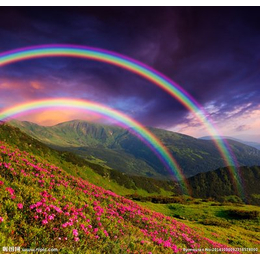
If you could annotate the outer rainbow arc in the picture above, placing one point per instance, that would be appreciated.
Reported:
(136, 128)
(138, 68)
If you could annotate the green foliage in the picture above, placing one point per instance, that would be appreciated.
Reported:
(243, 214)
(156, 199)
(215, 222)
(233, 199)
(219, 184)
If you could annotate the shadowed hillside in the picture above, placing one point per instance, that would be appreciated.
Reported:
(220, 185)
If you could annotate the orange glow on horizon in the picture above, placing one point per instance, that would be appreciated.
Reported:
(51, 117)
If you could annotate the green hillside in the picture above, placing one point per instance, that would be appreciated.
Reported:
(119, 149)
(95, 173)
(42, 206)
(48, 200)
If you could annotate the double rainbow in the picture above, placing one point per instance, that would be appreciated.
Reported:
(136, 67)
(125, 121)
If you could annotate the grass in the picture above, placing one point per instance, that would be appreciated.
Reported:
(214, 221)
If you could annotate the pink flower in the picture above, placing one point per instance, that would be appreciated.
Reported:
(19, 205)
(45, 221)
(10, 190)
(1, 219)
(36, 217)
(76, 239)
(1, 183)
(75, 232)
(51, 217)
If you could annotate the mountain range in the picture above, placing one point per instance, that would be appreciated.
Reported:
(117, 148)
(250, 143)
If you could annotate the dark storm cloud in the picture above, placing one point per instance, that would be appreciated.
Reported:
(213, 53)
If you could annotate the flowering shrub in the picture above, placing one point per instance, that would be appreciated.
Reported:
(43, 206)
(19, 205)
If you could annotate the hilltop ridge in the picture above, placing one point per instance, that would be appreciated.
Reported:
(119, 149)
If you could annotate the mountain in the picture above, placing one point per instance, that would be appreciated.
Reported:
(119, 149)
(250, 138)
(249, 143)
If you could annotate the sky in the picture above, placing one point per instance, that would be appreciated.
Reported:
(211, 52)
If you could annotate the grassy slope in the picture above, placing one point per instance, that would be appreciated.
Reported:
(213, 220)
(201, 216)
(42, 206)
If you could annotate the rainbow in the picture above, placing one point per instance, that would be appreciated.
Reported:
(136, 67)
(125, 121)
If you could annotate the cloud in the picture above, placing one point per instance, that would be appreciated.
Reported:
(213, 53)
(36, 85)
(242, 128)
(49, 117)
(231, 127)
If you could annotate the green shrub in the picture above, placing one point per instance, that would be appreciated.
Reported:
(243, 214)
(215, 222)
(233, 199)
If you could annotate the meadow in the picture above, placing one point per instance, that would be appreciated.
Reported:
(42, 206)
(237, 225)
